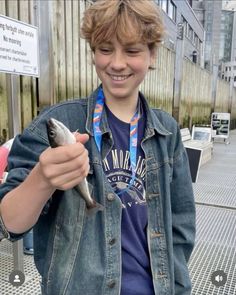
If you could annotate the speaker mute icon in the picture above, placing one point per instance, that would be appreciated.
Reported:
(219, 278)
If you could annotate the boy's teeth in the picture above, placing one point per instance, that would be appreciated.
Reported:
(119, 78)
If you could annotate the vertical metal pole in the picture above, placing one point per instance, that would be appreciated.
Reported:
(13, 105)
(18, 260)
(45, 85)
(231, 88)
(214, 85)
(14, 129)
(179, 55)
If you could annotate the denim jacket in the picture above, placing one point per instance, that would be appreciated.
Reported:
(80, 254)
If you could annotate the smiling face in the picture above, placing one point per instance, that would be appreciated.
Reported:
(123, 36)
(122, 67)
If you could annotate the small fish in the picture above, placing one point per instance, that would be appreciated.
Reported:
(58, 135)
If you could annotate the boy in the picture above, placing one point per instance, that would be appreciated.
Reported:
(135, 165)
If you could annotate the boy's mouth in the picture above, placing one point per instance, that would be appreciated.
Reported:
(119, 77)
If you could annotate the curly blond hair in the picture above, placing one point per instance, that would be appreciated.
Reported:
(130, 21)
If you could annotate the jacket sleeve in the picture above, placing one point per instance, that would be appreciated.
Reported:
(23, 156)
(183, 218)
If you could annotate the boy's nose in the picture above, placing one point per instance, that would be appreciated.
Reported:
(118, 61)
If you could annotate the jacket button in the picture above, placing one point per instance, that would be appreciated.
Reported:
(111, 284)
(110, 197)
(112, 241)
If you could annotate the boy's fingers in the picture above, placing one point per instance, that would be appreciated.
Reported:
(83, 138)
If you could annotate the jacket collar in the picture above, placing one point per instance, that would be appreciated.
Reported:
(153, 123)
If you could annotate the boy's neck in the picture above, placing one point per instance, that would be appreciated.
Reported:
(123, 109)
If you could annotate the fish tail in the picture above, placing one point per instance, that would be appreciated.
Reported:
(93, 208)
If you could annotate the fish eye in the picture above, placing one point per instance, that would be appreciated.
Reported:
(52, 133)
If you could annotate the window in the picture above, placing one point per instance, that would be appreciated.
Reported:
(208, 37)
(164, 5)
(208, 27)
(196, 40)
(184, 22)
(172, 10)
(209, 17)
(190, 32)
(168, 7)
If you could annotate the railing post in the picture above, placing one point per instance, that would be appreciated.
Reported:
(45, 82)
(179, 56)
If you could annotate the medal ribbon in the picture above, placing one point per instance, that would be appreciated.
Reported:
(133, 132)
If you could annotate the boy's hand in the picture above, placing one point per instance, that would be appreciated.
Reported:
(65, 166)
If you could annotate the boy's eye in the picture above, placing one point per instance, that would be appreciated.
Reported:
(105, 50)
(132, 51)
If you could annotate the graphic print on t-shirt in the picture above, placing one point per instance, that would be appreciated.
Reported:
(119, 174)
(117, 164)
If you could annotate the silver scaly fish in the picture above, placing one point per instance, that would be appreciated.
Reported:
(58, 135)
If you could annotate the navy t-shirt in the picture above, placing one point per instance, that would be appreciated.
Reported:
(136, 270)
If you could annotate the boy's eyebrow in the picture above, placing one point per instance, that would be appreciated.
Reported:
(105, 43)
(125, 44)
(132, 44)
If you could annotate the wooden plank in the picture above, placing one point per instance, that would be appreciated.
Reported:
(69, 34)
(60, 14)
(55, 21)
(89, 70)
(82, 51)
(162, 79)
(25, 82)
(3, 7)
(96, 80)
(34, 96)
(12, 8)
(12, 11)
(89, 64)
(164, 60)
(157, 70)
(76, 33)
(233, 105)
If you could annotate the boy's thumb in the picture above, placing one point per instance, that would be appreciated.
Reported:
(81, 137)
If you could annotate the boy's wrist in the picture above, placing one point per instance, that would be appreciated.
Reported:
(42, 183)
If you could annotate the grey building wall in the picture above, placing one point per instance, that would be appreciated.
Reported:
(226, 33)
(193, 29)
(209, 14)
(228, 66)
(212, 26)
(233, 52)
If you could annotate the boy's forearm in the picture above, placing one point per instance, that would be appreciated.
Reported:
(21, 207)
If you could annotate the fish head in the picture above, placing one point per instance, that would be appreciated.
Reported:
(58, 133)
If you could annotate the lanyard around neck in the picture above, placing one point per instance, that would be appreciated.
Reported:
(133, 131)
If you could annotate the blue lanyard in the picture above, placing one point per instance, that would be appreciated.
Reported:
(133, 131)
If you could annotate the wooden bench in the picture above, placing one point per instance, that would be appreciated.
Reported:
(206, 146)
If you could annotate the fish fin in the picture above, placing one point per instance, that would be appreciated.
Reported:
(94, 208)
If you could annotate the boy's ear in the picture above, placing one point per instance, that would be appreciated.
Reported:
(93, 62)
(153, 59)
